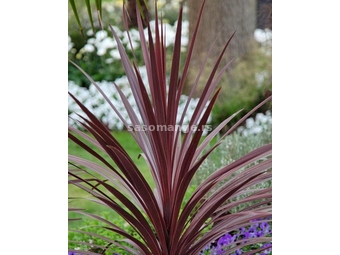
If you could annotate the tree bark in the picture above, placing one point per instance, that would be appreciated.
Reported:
(220, 18)
(130, 8)
(264, 14)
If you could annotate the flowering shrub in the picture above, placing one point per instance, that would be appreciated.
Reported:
(105, 49)
(70, 43)
(94, 101)
(264, 37)
(256, 132)
(100, 56)
(103, 52)
(261, 124)
(101, 43)
(258, 228)
(105, 67)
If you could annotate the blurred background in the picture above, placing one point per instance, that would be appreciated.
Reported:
(247, 81)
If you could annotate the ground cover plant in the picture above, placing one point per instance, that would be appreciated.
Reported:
(161, 222)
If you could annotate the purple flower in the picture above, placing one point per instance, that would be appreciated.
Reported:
(264, 225)
(257, 229)
(259, 234)
(238, 252)
(242, 230)
(267, 245)
(252, 230)
(225, 240)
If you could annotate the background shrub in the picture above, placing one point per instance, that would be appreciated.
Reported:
(248, 83)
(256, 132)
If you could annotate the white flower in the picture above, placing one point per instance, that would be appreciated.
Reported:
(115, 54)
(108, 43)
(262, 36)
(261, 118)
(122, 81)
(259, 77)
(134, 45)
(249, 122)
(109, 60)
(89, 48)
(185, 34)
(100, 35)
(256, 130)
(89, 32)
(70, 43)
(170, 34)
(101, 51)
(118, 31)
(91, 41)
(134, 34)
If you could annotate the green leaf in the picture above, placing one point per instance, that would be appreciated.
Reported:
(87, 2)
(99, 7)
(74, 8)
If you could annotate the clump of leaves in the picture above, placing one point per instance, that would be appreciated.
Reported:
(164, 224)
(249, 82)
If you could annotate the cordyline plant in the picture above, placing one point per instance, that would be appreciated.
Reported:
(164, 224)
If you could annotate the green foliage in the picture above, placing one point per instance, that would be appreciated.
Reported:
(134, 151)
(94, 64)
(96, 227)
(102, 66)
(233, 147)
(111, 14)
(246, 85)
(100, 70)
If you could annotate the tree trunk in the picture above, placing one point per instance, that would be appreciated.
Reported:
(225, 16)
(132, 15)
(264, 14)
